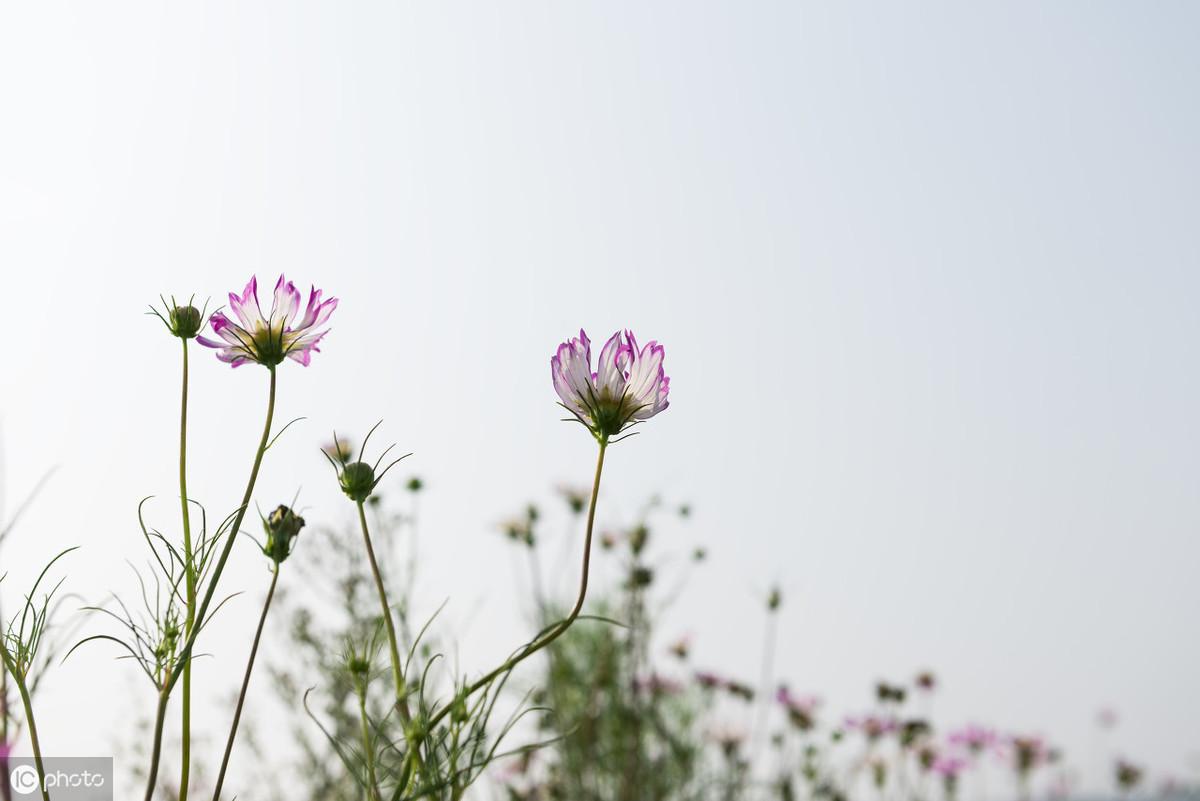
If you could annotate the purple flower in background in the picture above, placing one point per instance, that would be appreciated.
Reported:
(949, 767)
(872, 726)
(251, 337)
(709, 681)
(628, 386)
(973, 738)
(801, 709)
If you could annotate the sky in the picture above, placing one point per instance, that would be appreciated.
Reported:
(925, 273)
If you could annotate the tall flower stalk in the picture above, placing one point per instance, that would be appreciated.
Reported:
(358, 481)
(185, 322)
(185, 655)
(282, 527)
(628, 387)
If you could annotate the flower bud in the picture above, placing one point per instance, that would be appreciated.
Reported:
(185, 321)
(357, 480)
(774, 599)
(282, 527)
(638, 539)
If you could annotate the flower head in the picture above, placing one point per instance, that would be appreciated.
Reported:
(801, 709)
(628, 386)
(251, 337)
(282, 527)
(972, 737)
(358, 479)
(950, 765)
(183, 321)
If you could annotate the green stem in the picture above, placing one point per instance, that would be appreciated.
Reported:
(398, 680)
(23, 689)
(160, 716)
(185, 756)
(368, 749)
(186, 653)
(397, 670)
(558, 630)
(237, 714)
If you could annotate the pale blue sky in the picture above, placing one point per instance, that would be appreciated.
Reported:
(926, 274)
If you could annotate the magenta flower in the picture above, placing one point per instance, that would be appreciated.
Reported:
(872, 726)
(628, 386)
(251, 337)
(800, 709)
(949, 767)
(973, 738)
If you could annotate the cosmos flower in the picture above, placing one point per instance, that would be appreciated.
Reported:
(973, 738)
(251, 337)
(801, 709)
(872, 726)
(628, 386)
(949, 767)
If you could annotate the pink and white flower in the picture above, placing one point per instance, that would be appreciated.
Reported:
(283, 334)
(627, 387)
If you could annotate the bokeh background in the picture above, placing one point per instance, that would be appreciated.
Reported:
(926, 274)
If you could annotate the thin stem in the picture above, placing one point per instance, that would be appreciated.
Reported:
(237, 714)
(394, 648)
(186, 653)
(559, 629)
(156, 751)
(368, 748)
(185, 756)
(765, 679)
(33, 736)
(23, 689)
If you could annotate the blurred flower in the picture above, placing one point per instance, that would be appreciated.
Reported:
(1106, 718)
(681, 647)
(629, 384)
(658, 684)
(338, 450)
(800, 709)
(638, 537)
(774, 599)
(608, 540)
(1029, 753)
(911, 731)
(1127, 774)
(739, 690)
(576, 497)
(926, 681)
(890, 693)
(519, 529)
(415, 484)
(729, 738)
(709, 681)
(872, 726)
(973, 738)
(949, 766)
(250, 337)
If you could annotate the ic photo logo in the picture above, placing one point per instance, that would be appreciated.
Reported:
(24, 779)
(68, 779)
